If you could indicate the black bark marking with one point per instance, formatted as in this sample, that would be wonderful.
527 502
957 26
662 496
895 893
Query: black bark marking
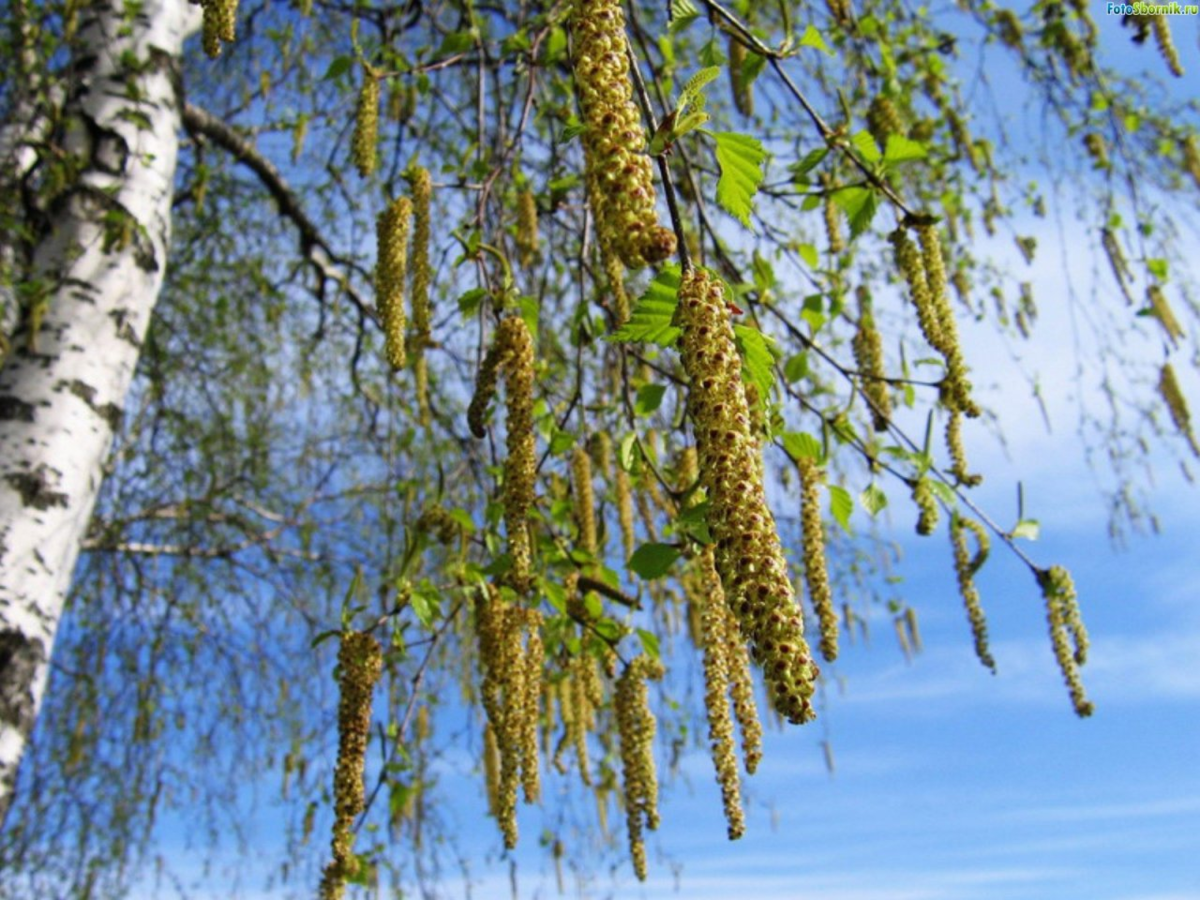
14 410
34 489
20 659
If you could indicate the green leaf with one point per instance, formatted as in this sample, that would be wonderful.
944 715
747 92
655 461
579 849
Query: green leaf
711 54
468 303
811 160
627 452
652 561
900 149
841 505
1157 268
865 144
943 491
859 204
808 253
873 499
683 14
649 398
796 368
800 444
649 642
740 158
694 522
650 321
561 442
812 38
758 357
424 603
573 129
1027 528
340 66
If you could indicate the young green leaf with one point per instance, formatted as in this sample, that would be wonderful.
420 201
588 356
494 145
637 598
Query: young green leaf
649 398
652 561
650 321
812 38
758 357
873 499
841 505
799 444
740 158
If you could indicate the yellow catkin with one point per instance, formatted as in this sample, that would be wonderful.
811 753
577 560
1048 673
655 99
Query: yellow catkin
602 454
742 90
422 193
748 554
1172 395
927 508
491 769
1163 312
625 510
360 663
615 273
956 389
816 572
726 664
958 454
833 220
585 499
211 28
527 227
520 466
534 663
1067 634
883 119
1191 158
227 18
615 138
913 628
366 123
965 567
1097 149
868 356
1116 260
511 693
391 270
636 727
485 389
1166 44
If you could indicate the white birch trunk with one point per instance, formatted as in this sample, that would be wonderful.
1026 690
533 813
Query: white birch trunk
61 398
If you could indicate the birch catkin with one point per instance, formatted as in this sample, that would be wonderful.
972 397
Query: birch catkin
360 662
391 270
623 182
422 190
748 554
366 123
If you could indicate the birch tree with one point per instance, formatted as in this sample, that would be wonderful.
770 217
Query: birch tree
465 304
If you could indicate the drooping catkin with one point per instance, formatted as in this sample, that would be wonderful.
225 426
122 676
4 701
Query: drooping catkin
485 389
1166 44
868 356
1067 633
748 554
742 90
615 138
520 466
636 726
958 454
602 454
491 769
1172 396
527 226
228 9
211 28
832 216
624 492
965 567
816 572
726 670
1162 311
883 119
615 272
927 508
1191 157
422 192
1097 149
391 270
360 663
511 692
956 389
585 499
366 123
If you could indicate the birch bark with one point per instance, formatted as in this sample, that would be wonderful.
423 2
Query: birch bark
62 390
